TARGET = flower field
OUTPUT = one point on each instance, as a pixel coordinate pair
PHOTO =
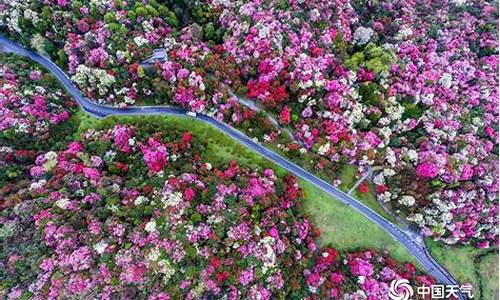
(124, 210)
(410, 87)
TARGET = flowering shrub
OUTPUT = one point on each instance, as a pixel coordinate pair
(373, 84)
(99, 42)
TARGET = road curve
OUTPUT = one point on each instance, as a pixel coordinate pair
(409, 239)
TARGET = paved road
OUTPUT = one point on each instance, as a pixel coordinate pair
(408, 238)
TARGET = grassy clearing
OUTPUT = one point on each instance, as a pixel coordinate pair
(470, 265)
(488, 271)
(342, 226)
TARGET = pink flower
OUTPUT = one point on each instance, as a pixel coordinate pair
(155, 155)
(83, 26)
(47, 265)
(77, 284)
(483, 245)
(337, 278)
(361, 267)
(467, 172)
(35, 75)
(426, 169)
(122, 135)
(307, 112)
(134, 273)
(371, 286)
(285, 115)
(273, 232)
(91, 173)
(37, 171)
(189, 194)
(61, 3)
(246, 277)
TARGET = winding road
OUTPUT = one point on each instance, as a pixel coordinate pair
(410, 239)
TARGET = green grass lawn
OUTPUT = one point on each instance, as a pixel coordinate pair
(341, 226)
(344, 228)
(470, 265)
(488, 271)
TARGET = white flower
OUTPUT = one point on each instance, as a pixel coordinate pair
(379, 179)
(412, 155)
(407, 200)
(62, 203)
(140, 41)
(446, 80)
(390, 157)
(323, 149)
(459, 2)
(93, 78)
(154, 254)
(166, 268)
(150, 226)
(404, 33)
(100, 247)
(171, 199)
(38, 184)
(362, 35)
(140, 199)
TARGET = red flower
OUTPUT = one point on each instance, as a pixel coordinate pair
(280, 94)
(293, 146)
(248, 114)
(425, 280)
(317, 52)
(215, 262)
(285, 115)
(222, 276)
(189, 194)
(410, 268)
(147, 189)
(327, 257)
(123, 167)
(381, 189)
(186, 137)
(364, 188)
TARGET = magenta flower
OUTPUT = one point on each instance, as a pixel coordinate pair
(246, 277)
(426, 169)
(361, 267)
(155, 155)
